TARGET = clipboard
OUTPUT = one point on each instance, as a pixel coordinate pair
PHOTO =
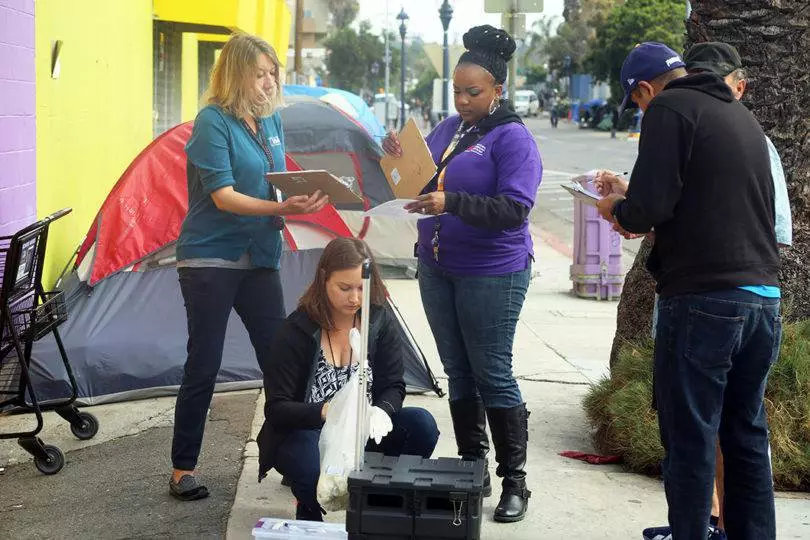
(581, 194)
(293, 183)
(409, 174)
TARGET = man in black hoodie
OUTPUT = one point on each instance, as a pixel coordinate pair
(702, 181)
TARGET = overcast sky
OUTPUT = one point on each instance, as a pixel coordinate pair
(424, 16)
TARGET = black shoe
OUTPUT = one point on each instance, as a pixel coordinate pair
(470, 426)
(188, 488)
(305, 512)
(510, 436)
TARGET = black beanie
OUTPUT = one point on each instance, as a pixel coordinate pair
(489, 48)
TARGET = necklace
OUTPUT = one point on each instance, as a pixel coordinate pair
(331, 350)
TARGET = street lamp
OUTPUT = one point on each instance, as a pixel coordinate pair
(402, 17)
(445, 14)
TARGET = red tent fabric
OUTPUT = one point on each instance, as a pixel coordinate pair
(145, 209)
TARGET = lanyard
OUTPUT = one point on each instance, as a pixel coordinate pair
(259, 137)
(460, 132)
(276, 221)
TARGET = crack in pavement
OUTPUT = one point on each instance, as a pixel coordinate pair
(529, 378)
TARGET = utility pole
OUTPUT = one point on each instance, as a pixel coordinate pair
(299, 30)
(402, 18)
(513, 63)
(445, 15)
(387, 64)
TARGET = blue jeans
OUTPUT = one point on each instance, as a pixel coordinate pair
(473, 320)
(210, 294)
(713, 352)
(298, 459)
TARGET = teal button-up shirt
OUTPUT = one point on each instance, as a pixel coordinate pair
(221, 152)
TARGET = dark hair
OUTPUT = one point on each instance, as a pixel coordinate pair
(339, 254)
(489, 48)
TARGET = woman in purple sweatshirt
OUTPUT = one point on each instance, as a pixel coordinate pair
(475, 258)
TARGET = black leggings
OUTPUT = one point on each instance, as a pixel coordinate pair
(210, 294)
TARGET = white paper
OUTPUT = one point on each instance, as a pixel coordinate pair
(576, 189)
(394, 209)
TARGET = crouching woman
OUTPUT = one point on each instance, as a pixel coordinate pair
(313, 359)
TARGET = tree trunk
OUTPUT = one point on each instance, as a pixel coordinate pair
(773, 37)
(634, 316)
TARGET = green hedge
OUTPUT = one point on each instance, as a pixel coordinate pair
(620, 410)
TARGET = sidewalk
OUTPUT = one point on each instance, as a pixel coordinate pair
(562, 345)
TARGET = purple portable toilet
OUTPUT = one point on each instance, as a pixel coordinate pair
(597, 270)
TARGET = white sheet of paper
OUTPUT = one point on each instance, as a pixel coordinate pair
(394, 209)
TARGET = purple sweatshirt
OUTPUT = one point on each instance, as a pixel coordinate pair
(504, 162)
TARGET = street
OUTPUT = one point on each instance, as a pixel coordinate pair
(567, 152)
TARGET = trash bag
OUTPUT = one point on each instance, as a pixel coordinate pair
(337, 445)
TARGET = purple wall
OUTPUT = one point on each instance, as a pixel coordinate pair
(17, 115)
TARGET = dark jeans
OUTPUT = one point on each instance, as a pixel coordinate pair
(473, 320)
(298, 459)
(713, 352)
(210, 294)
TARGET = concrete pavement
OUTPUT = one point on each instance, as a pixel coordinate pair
(562, 345)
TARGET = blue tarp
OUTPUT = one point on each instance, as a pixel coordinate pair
(364, 113)
(593, 103)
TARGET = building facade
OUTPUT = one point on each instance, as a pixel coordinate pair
(85, 85)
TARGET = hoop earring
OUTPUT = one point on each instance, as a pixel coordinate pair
(493, 106)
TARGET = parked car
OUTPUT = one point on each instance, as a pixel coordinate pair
(526, 103)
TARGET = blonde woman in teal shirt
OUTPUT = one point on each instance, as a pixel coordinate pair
(230, 244)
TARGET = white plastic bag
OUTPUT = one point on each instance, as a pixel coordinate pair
(337, 446)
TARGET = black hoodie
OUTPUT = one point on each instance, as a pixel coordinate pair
(703, 181)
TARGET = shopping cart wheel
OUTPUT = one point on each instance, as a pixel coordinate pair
(88, 428)
(54, 463)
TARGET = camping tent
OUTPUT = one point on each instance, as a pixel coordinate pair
(126, 332)
(310, 128)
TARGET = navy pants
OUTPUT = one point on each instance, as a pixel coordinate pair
(473, 320)
(298, 459)
(210, 294)
(713, 352)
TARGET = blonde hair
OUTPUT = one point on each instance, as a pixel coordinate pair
(233, 77)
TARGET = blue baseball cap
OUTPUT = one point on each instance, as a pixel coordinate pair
(644, 63)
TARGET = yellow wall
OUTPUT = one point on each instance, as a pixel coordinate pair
(190, 77)
(269, 19)
(95, 118)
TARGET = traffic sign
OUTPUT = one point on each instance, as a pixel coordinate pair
(517, 6)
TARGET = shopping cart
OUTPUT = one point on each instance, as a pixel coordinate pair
(28, 313)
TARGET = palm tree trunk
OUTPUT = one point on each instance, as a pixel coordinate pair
(773, 37)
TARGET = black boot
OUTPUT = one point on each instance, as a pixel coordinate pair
(510, 435)
(470, 426)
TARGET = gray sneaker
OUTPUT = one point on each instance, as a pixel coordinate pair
(188, 488)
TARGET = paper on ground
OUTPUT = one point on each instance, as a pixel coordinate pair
(394, 209)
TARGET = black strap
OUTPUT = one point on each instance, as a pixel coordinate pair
(277, 222)
(469, 139)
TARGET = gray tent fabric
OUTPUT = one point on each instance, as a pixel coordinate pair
(126, 338)
(312, 130)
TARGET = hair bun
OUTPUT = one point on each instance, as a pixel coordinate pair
(487, 38)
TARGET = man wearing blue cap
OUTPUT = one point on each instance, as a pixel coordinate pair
(703, 181)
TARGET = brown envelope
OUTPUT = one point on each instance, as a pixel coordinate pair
(293, 183)
(409, 174)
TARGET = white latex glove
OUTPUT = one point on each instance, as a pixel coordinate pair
(379, 424)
